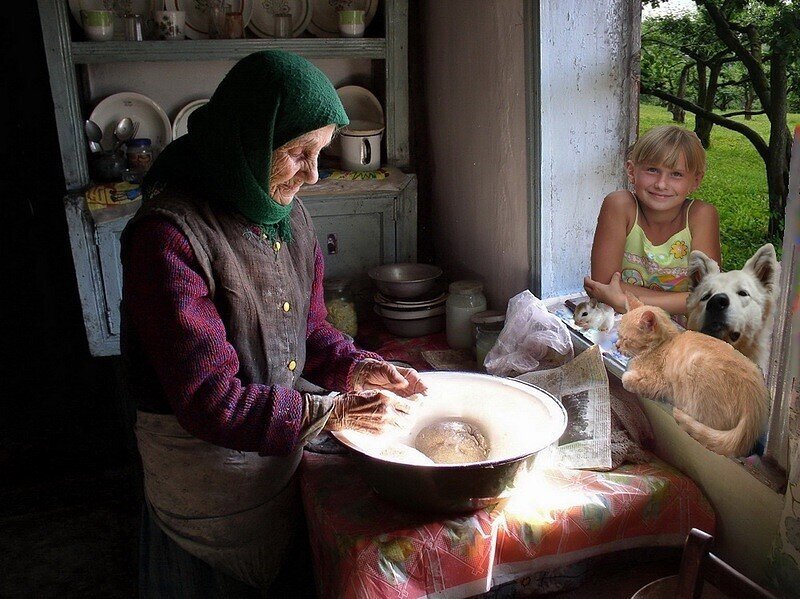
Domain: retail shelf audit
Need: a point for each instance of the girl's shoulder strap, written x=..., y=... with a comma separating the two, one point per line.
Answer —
x=688, y=208
x=636, y=203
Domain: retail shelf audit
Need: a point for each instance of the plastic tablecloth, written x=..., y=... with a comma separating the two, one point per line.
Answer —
x=366, y=547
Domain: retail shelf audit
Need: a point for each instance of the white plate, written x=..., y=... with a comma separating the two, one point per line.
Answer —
x=262, y=22
x=197, y=19
x=360, y=104
x=325, y=21
x=153, y=121
x=180, y=126
x=120, y=7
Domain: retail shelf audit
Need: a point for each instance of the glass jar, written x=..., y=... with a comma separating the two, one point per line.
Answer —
x=486, y=327
x=466, y=298
x=341, y=306
x=140, y=154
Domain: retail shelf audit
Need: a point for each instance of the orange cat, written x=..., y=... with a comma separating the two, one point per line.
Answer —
x=718, y=395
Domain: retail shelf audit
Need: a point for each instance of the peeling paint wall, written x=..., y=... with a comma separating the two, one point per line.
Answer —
x=474, y=60
x=588, y=117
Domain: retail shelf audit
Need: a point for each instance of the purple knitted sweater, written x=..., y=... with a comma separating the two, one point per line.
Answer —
x=182, y=333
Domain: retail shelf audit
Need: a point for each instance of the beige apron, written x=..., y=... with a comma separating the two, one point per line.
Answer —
x=235, y=510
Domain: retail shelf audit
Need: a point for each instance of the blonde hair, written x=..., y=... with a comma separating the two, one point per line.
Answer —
x=665, y=145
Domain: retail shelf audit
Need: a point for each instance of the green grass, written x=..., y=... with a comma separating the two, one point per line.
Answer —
x=735, y=182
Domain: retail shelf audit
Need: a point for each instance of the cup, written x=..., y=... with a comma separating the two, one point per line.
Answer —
x=283, y=24
x=216, y=20
x=170, y=24
x=234, y=25
x=361, y=146
x=98, y=24
x=351, y=23
x=134, y=28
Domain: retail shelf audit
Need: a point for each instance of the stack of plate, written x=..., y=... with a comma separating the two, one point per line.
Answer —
x=412, y=317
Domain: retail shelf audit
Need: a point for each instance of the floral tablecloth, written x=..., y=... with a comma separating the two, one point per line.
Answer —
x=366, y=547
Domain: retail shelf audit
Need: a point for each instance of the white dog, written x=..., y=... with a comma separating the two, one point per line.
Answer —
x=735, y=306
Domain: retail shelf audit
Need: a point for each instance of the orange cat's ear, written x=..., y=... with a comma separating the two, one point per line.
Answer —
x=647, y=321
x=632, y=302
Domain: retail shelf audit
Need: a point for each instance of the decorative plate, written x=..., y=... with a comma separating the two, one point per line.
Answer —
x=197, y=19
x=325, y=21
x=120, y=8
x=262, y=22
x=180, y=126
x=151, y=118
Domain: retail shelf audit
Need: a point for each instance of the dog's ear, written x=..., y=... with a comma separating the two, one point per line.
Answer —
x=647, y=321
x=764, y=265
x=700, y=266
x=632, y=302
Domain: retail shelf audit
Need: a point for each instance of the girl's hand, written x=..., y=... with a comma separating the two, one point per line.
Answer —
x=611, y=294
x=377, y=374
x=369, y=411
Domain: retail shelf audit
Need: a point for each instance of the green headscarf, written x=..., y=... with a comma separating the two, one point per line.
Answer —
x=267, y=99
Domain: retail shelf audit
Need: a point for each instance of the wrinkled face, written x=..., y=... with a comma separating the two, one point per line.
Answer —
x=662, y=188
x=295, y=163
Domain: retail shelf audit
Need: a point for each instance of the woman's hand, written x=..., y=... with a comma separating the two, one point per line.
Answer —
x=377, y=374
x=369, y=411
x=611, y=294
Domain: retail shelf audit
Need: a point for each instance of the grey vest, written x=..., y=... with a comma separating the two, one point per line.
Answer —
x=251, y=283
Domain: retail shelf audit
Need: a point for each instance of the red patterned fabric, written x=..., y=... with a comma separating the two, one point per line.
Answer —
x=181, y=331
x=365, y=547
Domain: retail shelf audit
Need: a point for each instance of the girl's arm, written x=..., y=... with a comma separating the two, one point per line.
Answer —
x=613, y=223
x=704, y=226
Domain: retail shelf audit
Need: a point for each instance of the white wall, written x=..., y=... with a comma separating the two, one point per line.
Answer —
x=588, y=115
x=474, y=61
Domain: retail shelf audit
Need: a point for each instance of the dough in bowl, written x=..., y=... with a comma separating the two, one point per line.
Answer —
x=452, y=442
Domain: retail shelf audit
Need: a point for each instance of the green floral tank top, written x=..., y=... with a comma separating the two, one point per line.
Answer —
x=663, y=267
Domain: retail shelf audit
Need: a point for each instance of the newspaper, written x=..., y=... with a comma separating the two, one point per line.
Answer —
x=581, y=386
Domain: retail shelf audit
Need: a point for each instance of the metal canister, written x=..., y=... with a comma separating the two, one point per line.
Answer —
x=134, y=31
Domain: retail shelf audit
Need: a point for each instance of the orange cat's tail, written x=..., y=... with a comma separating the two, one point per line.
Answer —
x=737, y=441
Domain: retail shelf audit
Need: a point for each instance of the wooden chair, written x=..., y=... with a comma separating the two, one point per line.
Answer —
x=698, y=566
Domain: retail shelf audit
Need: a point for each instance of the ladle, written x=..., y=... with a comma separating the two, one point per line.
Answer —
x=123, y=131
x=94, y=134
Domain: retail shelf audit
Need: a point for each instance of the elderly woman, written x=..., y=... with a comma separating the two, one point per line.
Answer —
x=223, y=311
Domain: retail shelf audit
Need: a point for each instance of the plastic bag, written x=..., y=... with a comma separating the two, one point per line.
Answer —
x=531, y=336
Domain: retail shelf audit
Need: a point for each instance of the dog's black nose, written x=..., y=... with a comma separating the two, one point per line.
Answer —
x=718, y=303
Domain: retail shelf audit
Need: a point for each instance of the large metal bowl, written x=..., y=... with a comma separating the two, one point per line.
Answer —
x=517, y=419
x=404, y=279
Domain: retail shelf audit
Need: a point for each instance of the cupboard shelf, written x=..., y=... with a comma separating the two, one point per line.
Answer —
x=199, y=50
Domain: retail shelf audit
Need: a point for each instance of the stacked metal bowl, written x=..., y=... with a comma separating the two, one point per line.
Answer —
x=408, y=300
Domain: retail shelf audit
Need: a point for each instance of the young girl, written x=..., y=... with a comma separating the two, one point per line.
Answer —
x=643, y=238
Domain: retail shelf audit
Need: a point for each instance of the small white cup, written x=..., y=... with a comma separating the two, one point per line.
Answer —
x=170, y=24
x=351, y=23
x=98, y=24
x=361, y=146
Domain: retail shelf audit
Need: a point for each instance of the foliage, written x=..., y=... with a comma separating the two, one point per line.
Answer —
x=735, y=183
x=755, y=40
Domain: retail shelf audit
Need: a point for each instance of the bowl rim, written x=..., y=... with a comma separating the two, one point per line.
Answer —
x=374, y=273
x=556, y=404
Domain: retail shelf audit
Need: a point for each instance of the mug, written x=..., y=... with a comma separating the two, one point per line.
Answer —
x=361, y=146
x=234, y=25
x=98, y=24
x=170, y=24
x=351, y=23
x=283, y=24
